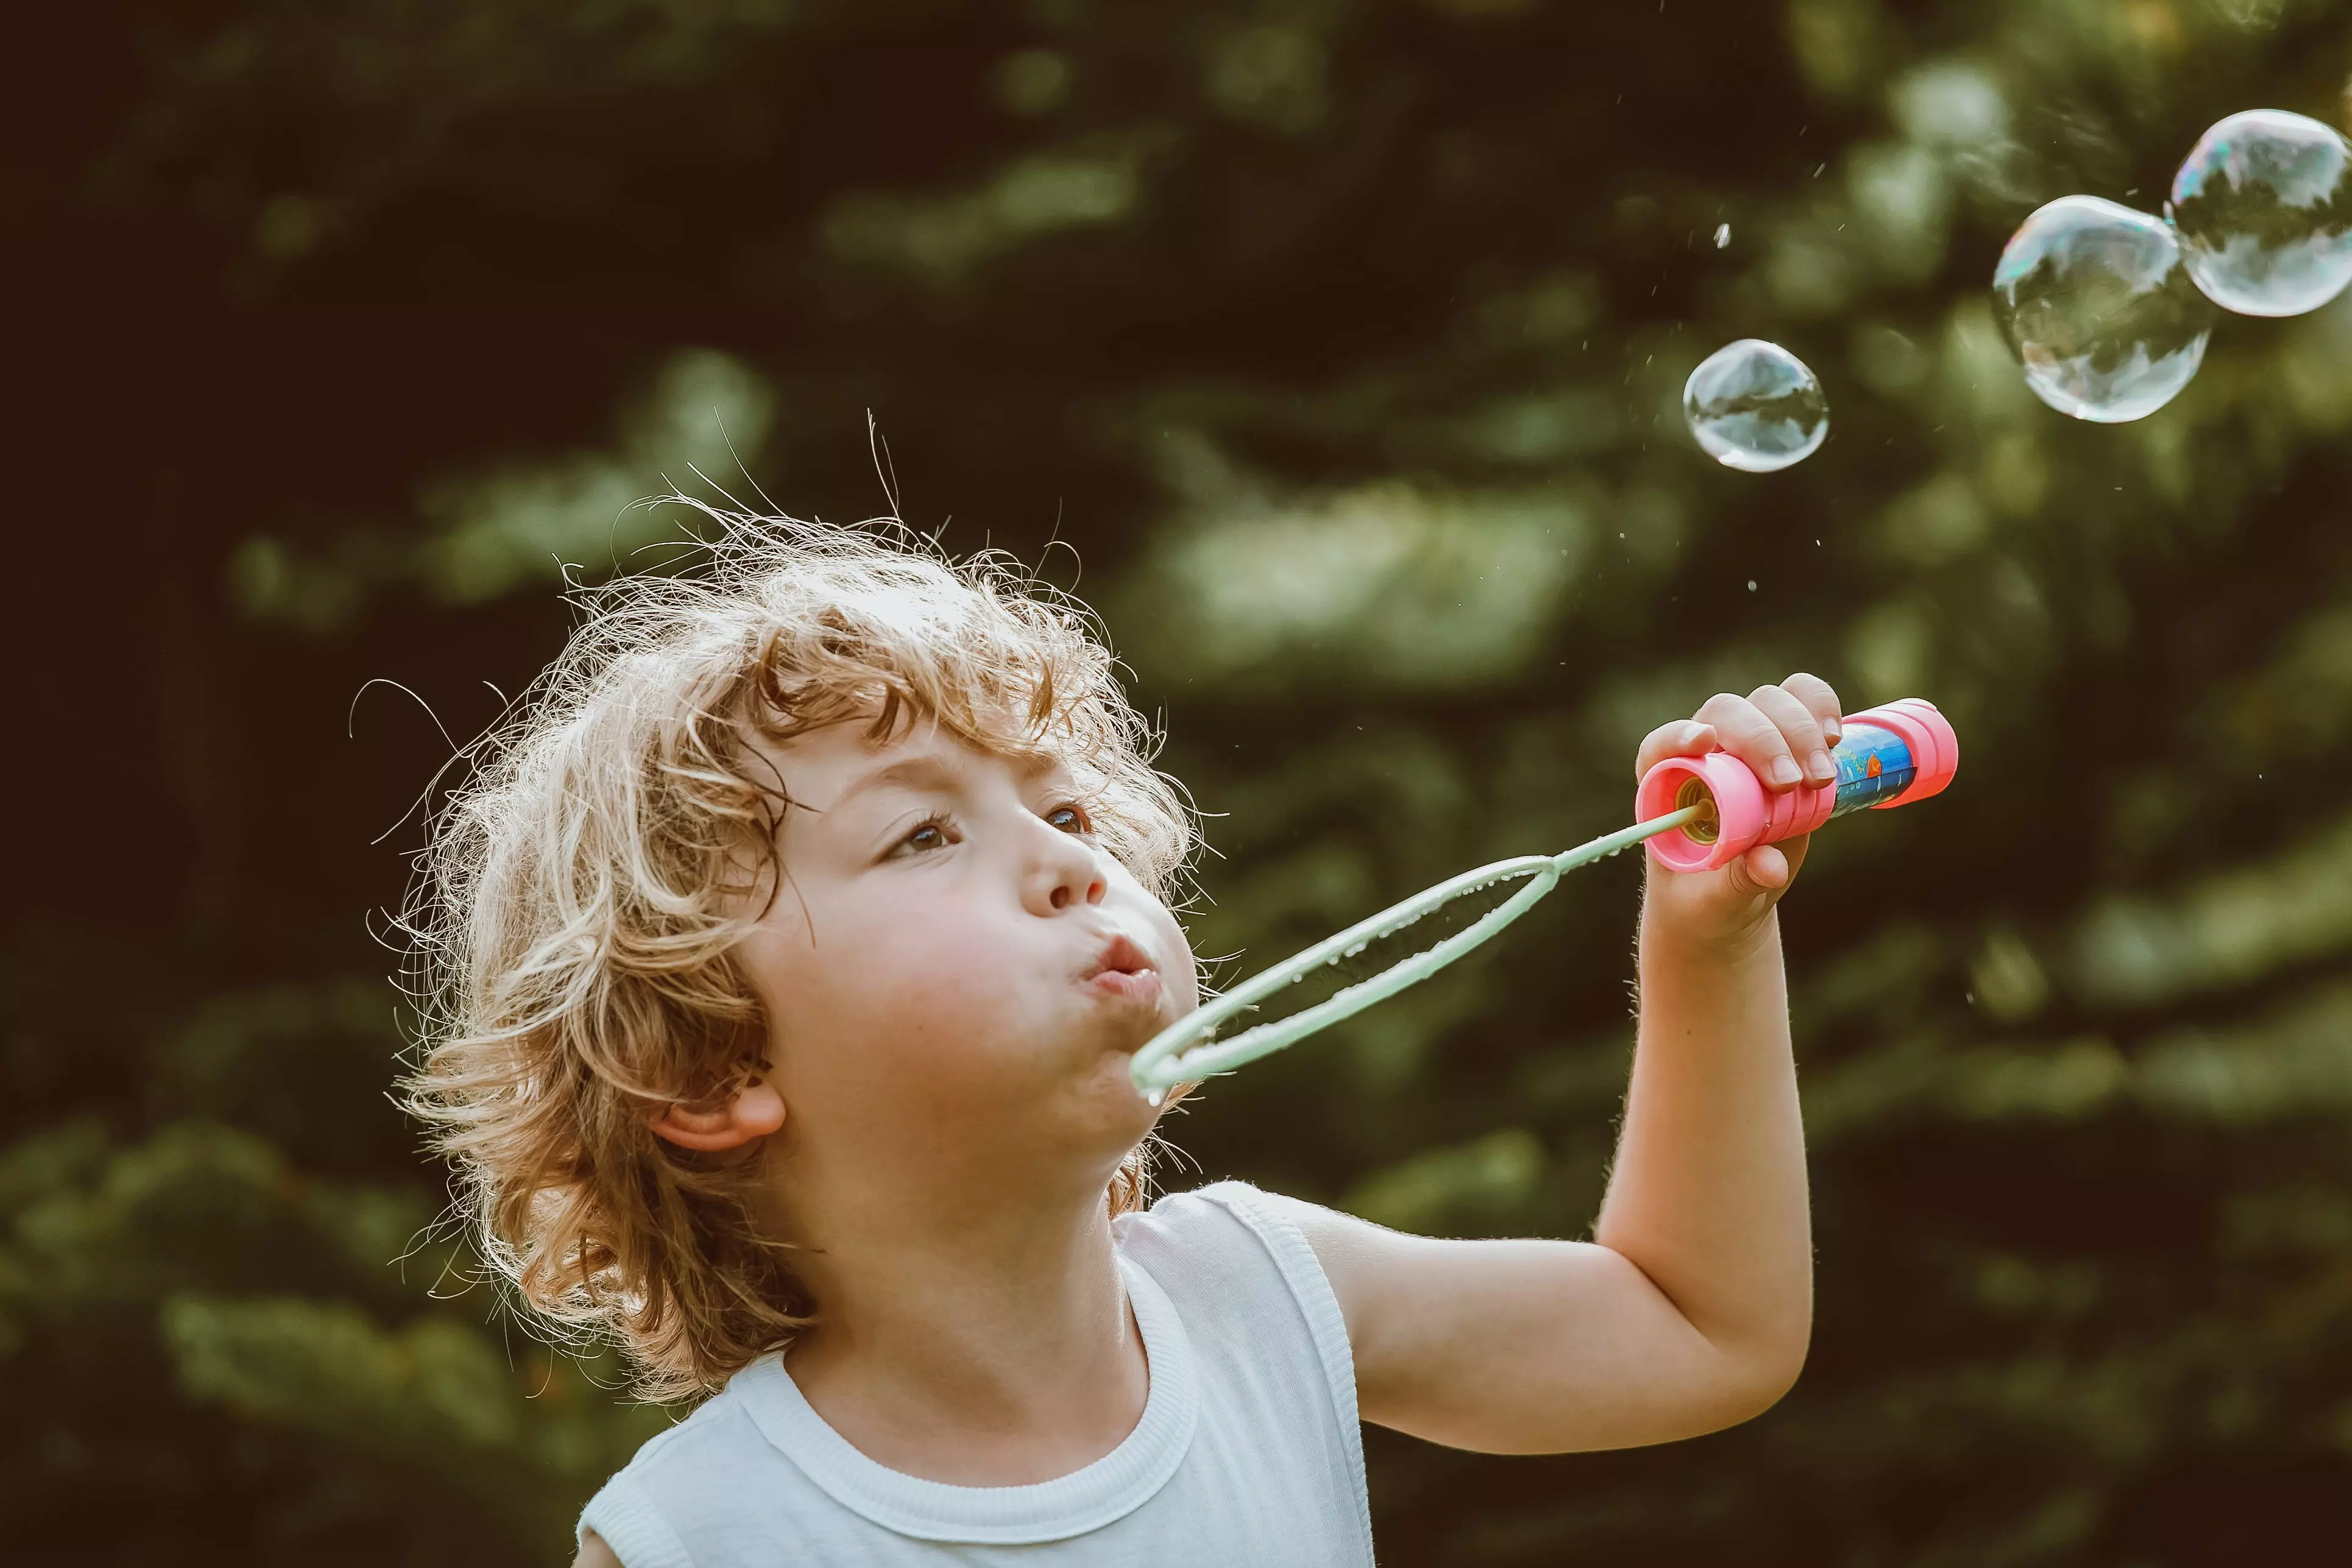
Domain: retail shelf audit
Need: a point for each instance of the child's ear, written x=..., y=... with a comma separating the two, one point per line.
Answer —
x=754, y=1111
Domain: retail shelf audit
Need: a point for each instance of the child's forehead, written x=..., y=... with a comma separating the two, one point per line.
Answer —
x=841, y=760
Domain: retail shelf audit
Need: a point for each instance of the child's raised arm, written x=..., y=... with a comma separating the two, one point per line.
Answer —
x=1691, y=1309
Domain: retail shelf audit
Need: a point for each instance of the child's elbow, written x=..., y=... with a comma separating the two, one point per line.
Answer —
x=1773, y=1383
x=1756, y=1382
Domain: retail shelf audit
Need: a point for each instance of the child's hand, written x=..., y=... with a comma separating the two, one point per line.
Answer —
x=1783, y=733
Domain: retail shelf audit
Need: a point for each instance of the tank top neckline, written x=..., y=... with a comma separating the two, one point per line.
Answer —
x=1086, y=1499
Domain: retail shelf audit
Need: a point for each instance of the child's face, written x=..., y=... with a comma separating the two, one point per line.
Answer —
x=955, y=975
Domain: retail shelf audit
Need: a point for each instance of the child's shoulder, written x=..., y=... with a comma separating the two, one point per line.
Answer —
x=1220, y=1247
x=695, y=1470
x=716, y=1423
x=1221, y=1215
x=1231, y=1212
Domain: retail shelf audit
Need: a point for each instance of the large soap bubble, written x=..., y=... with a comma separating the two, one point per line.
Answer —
x=2098, y=306
x=2264, y=209
x=1755, y=407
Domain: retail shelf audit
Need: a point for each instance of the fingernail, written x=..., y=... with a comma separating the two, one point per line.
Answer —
x=1784, y=771
x=1691, y=732
x=1820, y=766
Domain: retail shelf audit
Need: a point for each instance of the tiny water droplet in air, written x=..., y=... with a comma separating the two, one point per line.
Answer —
x=1722, y=235
x=1752, y=585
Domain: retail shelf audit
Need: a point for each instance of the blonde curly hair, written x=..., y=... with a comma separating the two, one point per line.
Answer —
x=580, y=895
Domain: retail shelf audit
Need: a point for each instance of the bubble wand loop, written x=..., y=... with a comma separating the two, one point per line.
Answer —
x=1700, y=813
x=1164, y=1062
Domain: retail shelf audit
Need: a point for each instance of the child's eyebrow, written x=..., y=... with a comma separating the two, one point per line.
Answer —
x=929, y=771
x=924, y=772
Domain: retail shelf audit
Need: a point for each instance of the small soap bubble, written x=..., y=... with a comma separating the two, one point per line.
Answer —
x=1754, y=406
x=2263, y=205
x=2097, y=304
x=1722, y=235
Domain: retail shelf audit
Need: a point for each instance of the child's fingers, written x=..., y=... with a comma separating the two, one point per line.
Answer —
x=1800, y=729
x=1820, y=701
x=1754, y=739
x=1767, y=870
x=1764, y=869
x=1683, y=738
x=1762, y=873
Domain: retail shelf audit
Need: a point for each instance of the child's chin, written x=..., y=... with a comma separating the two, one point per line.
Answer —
x=1124, y=1112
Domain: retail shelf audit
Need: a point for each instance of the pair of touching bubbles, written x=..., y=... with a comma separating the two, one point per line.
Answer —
x=2109, y=310
x=1698, y=814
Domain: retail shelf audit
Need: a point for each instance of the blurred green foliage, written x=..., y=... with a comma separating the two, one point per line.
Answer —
x=1340, y=341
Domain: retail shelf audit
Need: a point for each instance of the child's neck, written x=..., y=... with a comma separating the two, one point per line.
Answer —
x=997, y=1350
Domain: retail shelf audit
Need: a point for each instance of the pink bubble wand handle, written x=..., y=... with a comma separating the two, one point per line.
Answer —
x=1886, y=757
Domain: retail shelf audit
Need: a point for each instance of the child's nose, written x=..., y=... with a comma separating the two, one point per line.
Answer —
x=1066, y=872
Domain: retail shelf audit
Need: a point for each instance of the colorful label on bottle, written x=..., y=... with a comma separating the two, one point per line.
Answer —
x=1873, y=766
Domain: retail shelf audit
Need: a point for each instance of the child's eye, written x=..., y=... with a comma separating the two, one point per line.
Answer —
x=1070, y=819
x=931, y=833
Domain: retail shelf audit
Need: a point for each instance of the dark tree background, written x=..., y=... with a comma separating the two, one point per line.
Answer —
x=1333, y=348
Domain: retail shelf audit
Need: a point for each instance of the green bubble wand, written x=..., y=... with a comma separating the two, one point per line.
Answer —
x=1704, y=813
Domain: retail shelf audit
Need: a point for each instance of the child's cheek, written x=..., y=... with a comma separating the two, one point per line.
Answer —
x=951, y=1003
x=1185, y=991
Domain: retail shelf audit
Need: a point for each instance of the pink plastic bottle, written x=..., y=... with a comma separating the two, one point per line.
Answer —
x=1885, y=756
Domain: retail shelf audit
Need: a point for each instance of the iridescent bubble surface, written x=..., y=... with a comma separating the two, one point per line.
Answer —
x=2097, y=304
x=2264, y=209
x=1755, y=407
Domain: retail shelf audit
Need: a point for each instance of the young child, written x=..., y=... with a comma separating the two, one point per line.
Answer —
x=791, y=953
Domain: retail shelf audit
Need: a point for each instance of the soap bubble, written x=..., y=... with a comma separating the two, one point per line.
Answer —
x=2098, y=306
x=1755, y=407
x=2264, y=209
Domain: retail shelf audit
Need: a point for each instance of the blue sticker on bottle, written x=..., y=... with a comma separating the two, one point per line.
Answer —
x=1873, y=766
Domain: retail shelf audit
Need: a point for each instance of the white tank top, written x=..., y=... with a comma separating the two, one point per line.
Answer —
x=1247, y=1456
